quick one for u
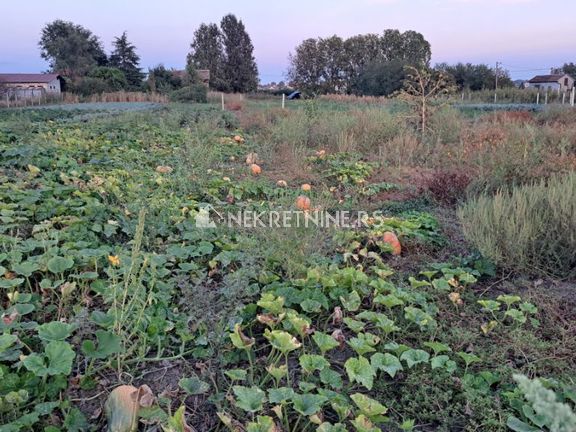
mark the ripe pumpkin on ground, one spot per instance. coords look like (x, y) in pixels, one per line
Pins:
(306, 187)
(303, 203)
(391, 239)
(255, 169)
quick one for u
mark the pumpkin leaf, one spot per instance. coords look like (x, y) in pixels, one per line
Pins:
(308, 404)
(58, 264)
(54, 331)
(412, 357)
(262, 424)
(324, 342)
(56, 360)
(351, 302)
(443, 361)
(249, 399)
(368, 406)
(387, 362)
(108, 344)
(280, 395)
(194, 386)
(332, 378)
(361, 371)
(282, 341)
(236, 374)
(437, 347)
(313, 362)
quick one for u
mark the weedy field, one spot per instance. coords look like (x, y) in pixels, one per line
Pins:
(452, 310)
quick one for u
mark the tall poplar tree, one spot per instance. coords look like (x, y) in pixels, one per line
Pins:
(240, 71)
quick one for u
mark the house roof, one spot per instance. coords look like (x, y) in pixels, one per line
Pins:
(27, 78)
(546, 78)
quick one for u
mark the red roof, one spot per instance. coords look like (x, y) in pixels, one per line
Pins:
(27, 78)
(546, 78)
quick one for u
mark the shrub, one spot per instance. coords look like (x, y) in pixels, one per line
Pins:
(191, 93)
(529, 228)
(449, 186)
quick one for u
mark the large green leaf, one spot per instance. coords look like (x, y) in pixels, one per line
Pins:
(313, 362)
(412, 357)
(56, 360)
(324, 342)
(368, 406)
(108, 344)
(361, 371)
(194, 385)
(387, 362)
(282, 341)
(54, 331)
(249, 399)
(60, 264)
(308, 404)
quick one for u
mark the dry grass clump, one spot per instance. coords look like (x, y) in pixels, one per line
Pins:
(531, 228)
(123, 96)
(365, 100)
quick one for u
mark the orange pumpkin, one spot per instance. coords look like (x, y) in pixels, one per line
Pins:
(255, 169)
(238, 139)
(303, 203)
(306, 187)
(391, 239)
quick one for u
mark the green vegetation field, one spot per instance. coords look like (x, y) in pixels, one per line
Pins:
(106, 281)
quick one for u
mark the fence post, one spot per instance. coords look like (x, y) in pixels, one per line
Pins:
(538, 98)
(283, 100)
(573, 95)
(222, 94)
(546, 98)
(563, 98)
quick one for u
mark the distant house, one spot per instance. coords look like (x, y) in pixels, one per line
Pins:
(558, 82)
(26, 86)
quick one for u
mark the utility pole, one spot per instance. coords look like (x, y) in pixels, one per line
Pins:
(496, 83)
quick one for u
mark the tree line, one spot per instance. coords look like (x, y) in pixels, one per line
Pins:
(376, 65)
(370, 64)
(79, 56)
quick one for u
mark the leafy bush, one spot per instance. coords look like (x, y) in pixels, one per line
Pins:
(191, 93)
(528, 228)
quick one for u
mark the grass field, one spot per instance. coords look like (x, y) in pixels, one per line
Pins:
(106, 279)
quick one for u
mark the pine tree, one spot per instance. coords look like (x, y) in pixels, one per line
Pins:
(240, 71)
(207, 53)
(124, 57)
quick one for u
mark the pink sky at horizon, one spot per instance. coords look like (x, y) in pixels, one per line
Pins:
(527, 36)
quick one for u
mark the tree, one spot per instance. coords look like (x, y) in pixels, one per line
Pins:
(334, 65)
(475, 77)
(71, 49)
(163, 80)
(207, 53)
(421, 86)
(306, 67)
(124, 58)
(240, 71)
(380, 78)
(113, 78)
(570, 69)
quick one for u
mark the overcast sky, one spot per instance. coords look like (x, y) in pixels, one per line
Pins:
(527, 36)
